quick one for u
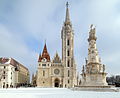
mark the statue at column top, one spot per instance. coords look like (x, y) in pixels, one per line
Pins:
(92, 35)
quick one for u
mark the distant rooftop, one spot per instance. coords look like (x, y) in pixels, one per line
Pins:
(11, 61)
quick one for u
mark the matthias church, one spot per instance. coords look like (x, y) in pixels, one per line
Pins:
(59, 72)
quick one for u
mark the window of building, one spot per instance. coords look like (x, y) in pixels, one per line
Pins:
(43, 73)
(3, 84)
(4, 72)
(68, 81)
(68, 73)
(4, 67)
(4, 77)
(68, 53)
(43, 64)
(68, 42)
(68, 63)
(11, 73)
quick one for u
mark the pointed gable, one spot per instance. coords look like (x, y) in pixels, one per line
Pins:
(45, 54)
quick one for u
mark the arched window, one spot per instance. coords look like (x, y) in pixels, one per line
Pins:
(68, 42)
(68, 63)
(68, 81)
(68, 73)
(68, 53)
(43, 73)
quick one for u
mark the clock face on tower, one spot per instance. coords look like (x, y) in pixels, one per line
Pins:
(56, 71)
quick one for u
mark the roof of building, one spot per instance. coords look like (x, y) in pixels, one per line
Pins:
(45, 54)
(11, 61)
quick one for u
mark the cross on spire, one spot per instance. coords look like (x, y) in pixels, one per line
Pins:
(67, 4)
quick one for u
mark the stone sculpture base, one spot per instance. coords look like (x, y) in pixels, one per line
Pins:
(94, 80)
(96, 88)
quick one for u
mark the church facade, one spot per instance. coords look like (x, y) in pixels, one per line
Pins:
(59, 72)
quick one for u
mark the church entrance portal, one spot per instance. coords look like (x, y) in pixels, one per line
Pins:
(56, 83)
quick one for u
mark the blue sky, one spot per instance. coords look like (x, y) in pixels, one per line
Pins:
(26, 24)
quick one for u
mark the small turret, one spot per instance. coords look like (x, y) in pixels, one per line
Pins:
(56, 58)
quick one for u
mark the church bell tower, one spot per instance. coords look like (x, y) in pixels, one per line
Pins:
(67, 37)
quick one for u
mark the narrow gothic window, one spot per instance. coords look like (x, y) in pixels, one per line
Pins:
(68, 81)
(68, 63)
(68, 53)
(68, 42)
(68, 73)
(43, 73)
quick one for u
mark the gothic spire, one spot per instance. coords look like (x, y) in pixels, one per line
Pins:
(40, 57)
(67, 19)
(45, 54)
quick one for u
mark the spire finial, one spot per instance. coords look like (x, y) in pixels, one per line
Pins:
(67, 13)
(91, 26)
(45, 41)
(67, 4)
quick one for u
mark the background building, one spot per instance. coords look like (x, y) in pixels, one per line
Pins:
(12, 73)
(59, 72)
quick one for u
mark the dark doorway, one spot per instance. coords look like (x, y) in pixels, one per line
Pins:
(56, 83)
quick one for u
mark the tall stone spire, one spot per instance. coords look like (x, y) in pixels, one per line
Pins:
(67, 19)
(67, 37)
(45, 54)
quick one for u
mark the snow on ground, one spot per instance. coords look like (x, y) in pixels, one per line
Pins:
(54, 93)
